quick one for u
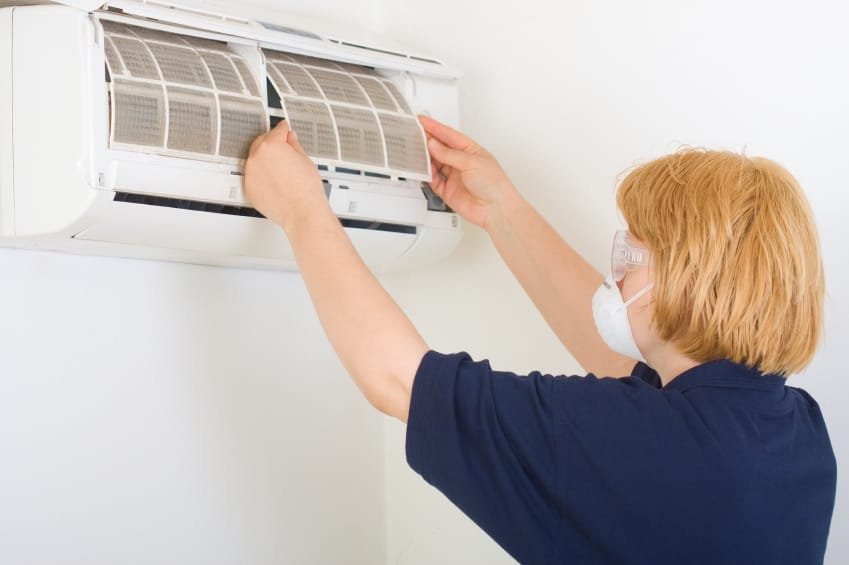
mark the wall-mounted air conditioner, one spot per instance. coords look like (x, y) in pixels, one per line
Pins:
(123, 129)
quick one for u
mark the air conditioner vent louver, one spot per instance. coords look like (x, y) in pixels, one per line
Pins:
(183, 204)
(179, 95)
(245, 211)
(290, 30)
(367, 48)
(348, 115)
(387, 52)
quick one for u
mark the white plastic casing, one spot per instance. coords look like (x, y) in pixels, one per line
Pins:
(58, 175)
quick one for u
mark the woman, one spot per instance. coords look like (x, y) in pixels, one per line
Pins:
(699, 454)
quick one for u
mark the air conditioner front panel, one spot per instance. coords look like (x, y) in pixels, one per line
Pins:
(432, 245)
(174, 177)
(378, 207)
(208, 233)
(155, 227)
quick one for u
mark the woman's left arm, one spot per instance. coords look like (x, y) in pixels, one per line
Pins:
(376, 342)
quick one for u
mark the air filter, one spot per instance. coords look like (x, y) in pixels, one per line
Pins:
(348, 116)
(181, 96)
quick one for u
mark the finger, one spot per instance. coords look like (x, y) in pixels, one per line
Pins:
(446, 134)
(443, 173)
(439, 170)
(434, 175)
(453, 157)
(293, 141)
(256, 143)
(439, 175)
(281, 130)
(453, 192)
(457, 197)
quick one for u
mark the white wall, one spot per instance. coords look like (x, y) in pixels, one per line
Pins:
(569, 94)
(166, 413)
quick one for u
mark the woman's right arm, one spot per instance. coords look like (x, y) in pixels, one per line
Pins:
(558, 280)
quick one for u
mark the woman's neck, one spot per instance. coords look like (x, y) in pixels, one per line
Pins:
(669, 363)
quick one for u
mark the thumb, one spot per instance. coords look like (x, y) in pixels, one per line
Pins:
(452, 157)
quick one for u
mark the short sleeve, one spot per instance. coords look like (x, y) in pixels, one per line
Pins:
(484, 438)
(602, 470)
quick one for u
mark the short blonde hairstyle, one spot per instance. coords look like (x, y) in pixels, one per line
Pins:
(735, 257)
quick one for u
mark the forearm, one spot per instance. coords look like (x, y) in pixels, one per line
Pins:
(558, 280)
(374, 339)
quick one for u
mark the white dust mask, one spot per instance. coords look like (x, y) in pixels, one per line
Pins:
(610, 313)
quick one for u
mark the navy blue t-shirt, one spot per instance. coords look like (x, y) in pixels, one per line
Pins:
(723, 465)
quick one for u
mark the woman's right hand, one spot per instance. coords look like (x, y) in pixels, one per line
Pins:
(465, 175)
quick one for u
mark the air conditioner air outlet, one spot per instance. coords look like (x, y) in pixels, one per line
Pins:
(199, 206)
(185, 204)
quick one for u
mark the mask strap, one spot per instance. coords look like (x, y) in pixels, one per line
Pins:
(641, 292)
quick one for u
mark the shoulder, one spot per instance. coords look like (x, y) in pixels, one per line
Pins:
(460, 370)
(457, 384)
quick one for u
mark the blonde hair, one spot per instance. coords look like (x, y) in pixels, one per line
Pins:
(735, 257)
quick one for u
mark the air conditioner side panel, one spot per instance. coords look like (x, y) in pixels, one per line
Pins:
(7, 218)
(435, 97)
(51, 90)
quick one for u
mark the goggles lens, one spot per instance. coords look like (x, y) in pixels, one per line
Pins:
(625, 256)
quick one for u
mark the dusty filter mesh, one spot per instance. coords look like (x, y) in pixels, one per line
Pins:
(339, 87)
(402, 148)
(348, 114)
(180, 65)
(192, 120)
(182, 96)
(137, 59)
(359, 136)
(240, 122)
(299, 80)
(314, 124)
(378, 94)
(223, 72)
(139, 113)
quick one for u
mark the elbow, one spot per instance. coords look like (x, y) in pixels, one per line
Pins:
(387, 382)
(390, 397)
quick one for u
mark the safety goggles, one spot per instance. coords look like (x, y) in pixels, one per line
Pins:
(625, 256)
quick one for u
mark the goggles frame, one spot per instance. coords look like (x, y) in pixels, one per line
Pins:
(624, 256)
